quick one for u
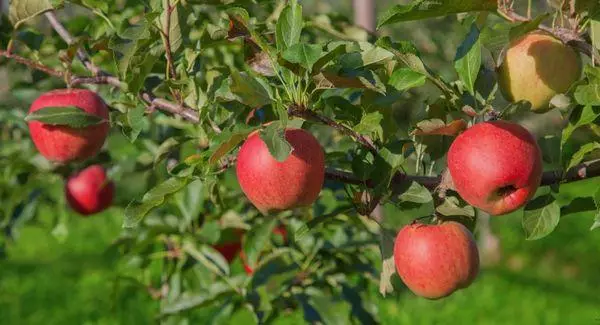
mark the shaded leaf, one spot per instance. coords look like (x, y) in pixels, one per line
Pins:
(274, 137)
(589, 94)
(249, 90)
(256, 240)
(416, 193)
(306, 55)
(388, 268)
(526, 27)
(20, 11)
(289, 26)
(580, 154)
(229, 141)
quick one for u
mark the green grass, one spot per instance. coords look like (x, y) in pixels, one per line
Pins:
(550, 281)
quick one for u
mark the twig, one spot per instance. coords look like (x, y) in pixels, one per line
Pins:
(32, 64)
(102, 77)
(167, 41)
(307, 114)
(566, 35)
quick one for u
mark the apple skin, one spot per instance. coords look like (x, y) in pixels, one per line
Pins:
(436, 260)
(275, 186)
(65, 144)
(89, 191)
(537, 67)
(495, 166)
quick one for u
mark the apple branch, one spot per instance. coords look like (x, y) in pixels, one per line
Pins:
(582, 171)
(101, 77)
(32, 64)
(307, 114)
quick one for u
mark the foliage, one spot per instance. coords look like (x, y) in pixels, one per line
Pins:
(218, 70)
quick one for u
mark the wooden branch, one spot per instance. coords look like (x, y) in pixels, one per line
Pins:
(582, 171)
(101, 77)
(32, 64)
(307, 114)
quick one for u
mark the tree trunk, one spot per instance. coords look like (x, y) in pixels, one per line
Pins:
(364, 14)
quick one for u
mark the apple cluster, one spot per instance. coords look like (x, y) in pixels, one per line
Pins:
(495, 166)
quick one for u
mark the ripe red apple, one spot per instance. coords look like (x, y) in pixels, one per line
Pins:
(537, 66)
(495, 166)
(229, 250)
(61, 143)
(89, 191)
(274, 186)
(436, 260)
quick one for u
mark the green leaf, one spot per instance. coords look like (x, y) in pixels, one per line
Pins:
(328, 56)
(306, 55)
(70, 116)
(249, 90)
(580, 154)
(137, 210)
(581, 116)
(495, 37)
(256, 240)
(189, 301)
(468, 59)
(393, 153)
(274, 137)
(388, 269)
(20, 11)
(174, 32)
(134, 122)
(526, 27)
(595, 31)
(370, 56)
(404, 78)
(289, 26)
(421, 9)
(370, 124)
(589, 94)
(416, 193)
(228, 140)
(451, 207)
(541, 216)
(406, 53)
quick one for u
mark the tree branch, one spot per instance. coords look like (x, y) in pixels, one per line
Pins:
(307, 114)
(32, 64)
(582, 171)
(101, 77)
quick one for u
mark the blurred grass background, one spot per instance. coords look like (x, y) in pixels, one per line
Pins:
(550, 281)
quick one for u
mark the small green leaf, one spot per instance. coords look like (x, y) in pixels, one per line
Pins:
(589, 94)
(386, 245)
(370, 124)
(595, 31)
(306, 55)
(581, 116)
(416, 193)
(393, 153)
(274, 137)
(580, 154)
(70, 116)
(228, 141)
(137, 210)
(404, 78)
(451, 207)
(174, 32)
(468, 59)
(135, 122)
(256, 240)
(329, 56)
(541, 216)
(249, 90)
(289, 26)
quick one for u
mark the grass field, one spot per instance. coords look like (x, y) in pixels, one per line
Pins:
(550, 281)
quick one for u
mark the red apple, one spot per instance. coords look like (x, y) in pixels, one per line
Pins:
(274, 186)
(495, 166)
(436, 260)
(89, 191)
(536, 67)
(229, 250)
(61, 143)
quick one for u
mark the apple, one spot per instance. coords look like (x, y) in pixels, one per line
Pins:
(536, 67)
(89, 191)
(62, 143)
(436, 260)
(495, 166)
(274, 186)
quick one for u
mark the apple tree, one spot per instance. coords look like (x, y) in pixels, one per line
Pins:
(264, 158)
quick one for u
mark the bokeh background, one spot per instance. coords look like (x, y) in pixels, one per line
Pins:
(59, 276)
